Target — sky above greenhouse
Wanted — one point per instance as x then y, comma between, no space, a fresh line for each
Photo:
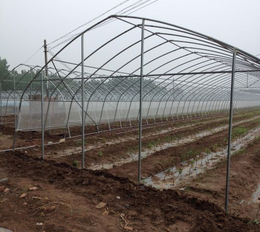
25,24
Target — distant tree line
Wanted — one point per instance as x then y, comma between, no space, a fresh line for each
101,87
21,78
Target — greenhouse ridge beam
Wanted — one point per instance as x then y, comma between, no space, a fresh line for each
168,74
225,45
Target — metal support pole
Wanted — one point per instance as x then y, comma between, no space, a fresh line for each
42,116
30,98
1,103
141,103
45,57
230,129
46,66
173,90
82,103
14,104
15,129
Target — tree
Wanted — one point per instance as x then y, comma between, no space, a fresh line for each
3,68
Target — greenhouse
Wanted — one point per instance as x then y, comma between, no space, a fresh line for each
128,72
126,62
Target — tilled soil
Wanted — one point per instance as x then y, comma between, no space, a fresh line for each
173,156
33,138
66,199
244,183
52,195
108,152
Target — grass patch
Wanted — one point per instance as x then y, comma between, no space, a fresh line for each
239,131
239,152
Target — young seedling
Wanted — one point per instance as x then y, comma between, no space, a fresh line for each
149,145
254,222
132,156
180,172
100,154
196,163
167,173
191,165
258,209
75,163
207,151
78,143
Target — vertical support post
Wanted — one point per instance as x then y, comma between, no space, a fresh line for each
15,129
82,104
45,57
30,98
46,66
14,104
230,129
1,104
42,116
172,97
141,103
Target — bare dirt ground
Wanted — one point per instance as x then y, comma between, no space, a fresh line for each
68,199
55,195
244,183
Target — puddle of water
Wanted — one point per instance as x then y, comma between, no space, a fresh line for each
146,153
70,151
256,195
134,157
255,198
172,177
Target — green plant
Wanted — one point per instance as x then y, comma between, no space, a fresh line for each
167,173
78,143
150,144
196,162
215,147
180,171
100,153
191,165
183,157
168,138
254,222
241,151
191,153
75,163
238,131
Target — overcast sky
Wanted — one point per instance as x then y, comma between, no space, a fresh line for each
25,24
